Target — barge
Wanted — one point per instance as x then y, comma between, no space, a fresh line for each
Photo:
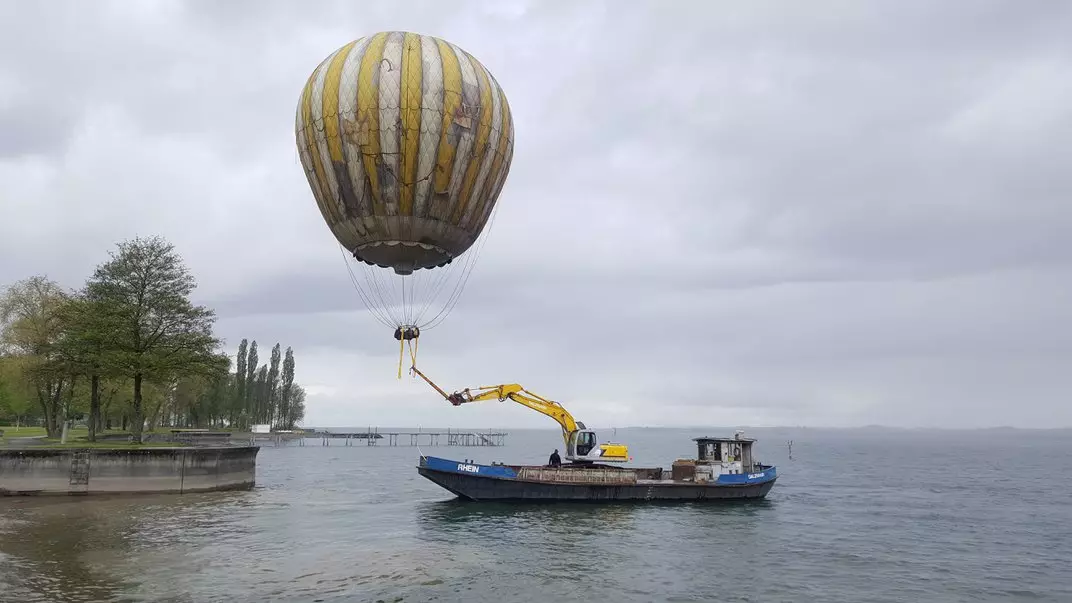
724,469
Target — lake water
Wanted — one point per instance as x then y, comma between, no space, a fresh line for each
857,515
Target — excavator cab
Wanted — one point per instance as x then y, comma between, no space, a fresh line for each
583,446
586,441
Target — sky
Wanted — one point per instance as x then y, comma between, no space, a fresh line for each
718,213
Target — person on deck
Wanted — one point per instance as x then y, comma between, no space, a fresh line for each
555,460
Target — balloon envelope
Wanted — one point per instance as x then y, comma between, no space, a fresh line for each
406,141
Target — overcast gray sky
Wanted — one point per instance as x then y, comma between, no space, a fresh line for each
758,213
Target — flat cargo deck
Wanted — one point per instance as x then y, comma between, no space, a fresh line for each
533,483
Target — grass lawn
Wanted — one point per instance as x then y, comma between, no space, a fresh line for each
10,431
107,445
29,431
79,438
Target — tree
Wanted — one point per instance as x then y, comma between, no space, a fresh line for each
145,289
270,389
187,410
215,402
260,391
32,325
251,368
16,392
240,382
286,386
86,346
114,401
296,410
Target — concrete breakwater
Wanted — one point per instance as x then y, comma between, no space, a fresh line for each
44,471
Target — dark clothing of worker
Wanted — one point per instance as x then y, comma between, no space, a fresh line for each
555,460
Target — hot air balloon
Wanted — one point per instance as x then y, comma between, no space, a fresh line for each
406,141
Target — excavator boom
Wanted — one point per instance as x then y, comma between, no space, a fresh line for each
511,391
571,428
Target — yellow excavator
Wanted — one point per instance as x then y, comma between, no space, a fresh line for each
582,446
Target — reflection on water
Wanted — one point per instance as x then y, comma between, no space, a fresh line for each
62,549
78,549
454,514
575,539
446,512
358,524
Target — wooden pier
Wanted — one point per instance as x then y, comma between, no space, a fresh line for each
374,437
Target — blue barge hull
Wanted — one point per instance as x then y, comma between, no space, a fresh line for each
478,482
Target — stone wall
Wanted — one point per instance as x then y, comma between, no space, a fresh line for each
147,470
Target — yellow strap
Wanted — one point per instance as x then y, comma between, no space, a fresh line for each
402,352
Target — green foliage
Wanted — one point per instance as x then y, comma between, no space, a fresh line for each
129,351
272,387
265,393
286,390
16,393
251,369
145,290
89,348
31,326
296,408
29,313
240,377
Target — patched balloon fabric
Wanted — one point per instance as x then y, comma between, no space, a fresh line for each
406,141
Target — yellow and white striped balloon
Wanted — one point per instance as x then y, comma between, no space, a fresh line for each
406,140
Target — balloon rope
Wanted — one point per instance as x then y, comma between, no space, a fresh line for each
413,351
401,354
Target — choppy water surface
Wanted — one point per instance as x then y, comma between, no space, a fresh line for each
856,516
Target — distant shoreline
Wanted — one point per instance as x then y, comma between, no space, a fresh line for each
712,428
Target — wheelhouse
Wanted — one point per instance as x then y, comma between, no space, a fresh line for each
718,456
733,453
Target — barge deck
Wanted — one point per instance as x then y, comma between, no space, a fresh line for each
725,470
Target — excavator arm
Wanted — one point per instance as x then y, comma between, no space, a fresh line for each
550,408
518,394
515,392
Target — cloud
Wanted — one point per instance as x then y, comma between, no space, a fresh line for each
721,213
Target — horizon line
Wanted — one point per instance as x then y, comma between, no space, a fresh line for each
712,427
